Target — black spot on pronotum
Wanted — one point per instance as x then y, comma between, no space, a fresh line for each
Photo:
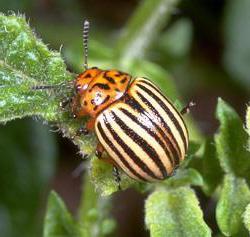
101,86
123,80
88,75
110,79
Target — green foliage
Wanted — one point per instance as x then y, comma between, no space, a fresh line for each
175,212
231,141
147,21
231,144
58,221
219,166
237,35
206,161
28,153
94,217
175,43
26,62
234,197
247,217
248,126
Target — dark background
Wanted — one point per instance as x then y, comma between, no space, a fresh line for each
210,60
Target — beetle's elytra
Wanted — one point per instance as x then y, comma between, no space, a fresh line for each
138,127
134,122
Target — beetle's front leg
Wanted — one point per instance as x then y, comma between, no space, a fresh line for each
186,109
99,150
84,130
117,177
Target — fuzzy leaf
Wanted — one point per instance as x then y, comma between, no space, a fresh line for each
103,179
246,217
235,196
58,221
175,212
143,28
207,163
185,177
26,62
231,141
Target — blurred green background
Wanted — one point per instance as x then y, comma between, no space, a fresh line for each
205,47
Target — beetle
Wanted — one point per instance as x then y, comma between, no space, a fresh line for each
135,123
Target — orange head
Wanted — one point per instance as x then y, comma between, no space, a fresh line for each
96,89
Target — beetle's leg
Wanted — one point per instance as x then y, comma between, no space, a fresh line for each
85,130
99,150
186,109
90,124
81,131
117,176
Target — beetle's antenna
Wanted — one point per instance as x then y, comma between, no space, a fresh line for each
85,42
50,87
46,87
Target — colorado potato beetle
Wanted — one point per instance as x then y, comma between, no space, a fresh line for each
136,125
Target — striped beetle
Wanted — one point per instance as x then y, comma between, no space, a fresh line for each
138,127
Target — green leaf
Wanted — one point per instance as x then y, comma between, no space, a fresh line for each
176,41
185,177
235,195
246,217
175,212
58,221
103,179
231,141
144,26
94,217
237,37
206,161
27,162
248,126
26,62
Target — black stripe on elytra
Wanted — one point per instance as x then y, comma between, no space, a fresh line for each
135,105
101,86
167,110
157,89
149,131
110,79
129,151
116,151
146,147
